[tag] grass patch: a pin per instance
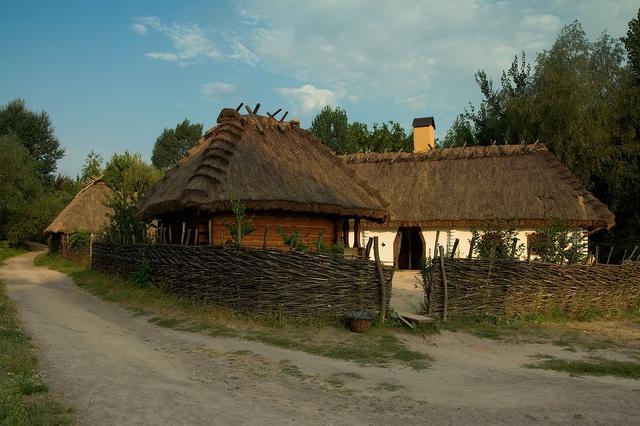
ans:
(592, 367)
(389, 387)
(23, 391)
(7, 252)
(379, 346)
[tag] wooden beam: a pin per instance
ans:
(356, 232)
(345, 232)
(210, 229)
(444, 284)
(455, 247)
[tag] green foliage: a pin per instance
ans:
(92, 167)
(495, 239)
(33, 216)
(293, 240)
(79, 240)
(558, 242)
(35, 132)
(582, 101)
(632, 44)
(144, 275)
(332, 127)
(129, 174)
(124, 227)
(242, 225)
(173, 144)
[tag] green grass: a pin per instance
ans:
(7, 252)
(380, 346)
(23, 392)
(592, 367)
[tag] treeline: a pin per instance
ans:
(32, 194)
(332, 127)
(580, 98)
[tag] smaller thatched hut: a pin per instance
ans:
(287, 180)
(85, 213)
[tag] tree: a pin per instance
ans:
(36, 132)
(632, 45)
(173, 144)
(129, 174)
(332, 127)
(19, 181)
(92, 166)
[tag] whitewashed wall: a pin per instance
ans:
(446, 239)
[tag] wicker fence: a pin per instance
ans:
(253, 280)
(508, 287)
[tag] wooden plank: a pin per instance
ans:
(405, 322)
(383, 287)
(417, 318)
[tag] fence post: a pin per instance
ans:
(609, 257)
(91, 239)
(435, 247)
(264, 238)
(471, 247)
(633, 252)
(444, 284)
(514, 244)
(367, 250)
(210, 236)
(383, 286)
(182, 237)
(455, 247)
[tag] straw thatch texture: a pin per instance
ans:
(508, 287)
(86, 212)
(267, 165)
(254, 281)
(463, 186)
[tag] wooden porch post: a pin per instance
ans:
(345, 232)
(356, 232)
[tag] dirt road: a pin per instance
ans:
(115, 368)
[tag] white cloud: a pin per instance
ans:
(542, 22)
(309, 98)
(189, 40)
(214, 89)
(139, 28)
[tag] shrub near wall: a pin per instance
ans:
(508, 287)
(253, 280)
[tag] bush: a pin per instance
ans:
(495, 239)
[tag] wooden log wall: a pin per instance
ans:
(511, 287)
(254, 280)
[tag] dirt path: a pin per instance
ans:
(115, 368)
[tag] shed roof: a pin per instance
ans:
(465, 186)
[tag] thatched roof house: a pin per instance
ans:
(451, 190)
(85, 213)
(282, 174)
(460, 187)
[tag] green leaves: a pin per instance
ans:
(173, 144)
(332, 127)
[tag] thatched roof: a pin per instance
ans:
(86, 212)
(266, 164)
(464, 186)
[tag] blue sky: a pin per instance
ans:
(112, 75)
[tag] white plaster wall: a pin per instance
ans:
(386, 236)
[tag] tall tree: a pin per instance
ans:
(173, 144)
(128, 173)
(36, 132)
(92, 166)
(632, 44)
(332, 127)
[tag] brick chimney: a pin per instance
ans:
(424, 134)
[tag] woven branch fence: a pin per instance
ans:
(509, 287)
(252, 280)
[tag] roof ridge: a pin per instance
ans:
(438, 154)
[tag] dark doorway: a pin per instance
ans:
(410, 247)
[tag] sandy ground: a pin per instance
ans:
(406, 296)
(115, 368)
